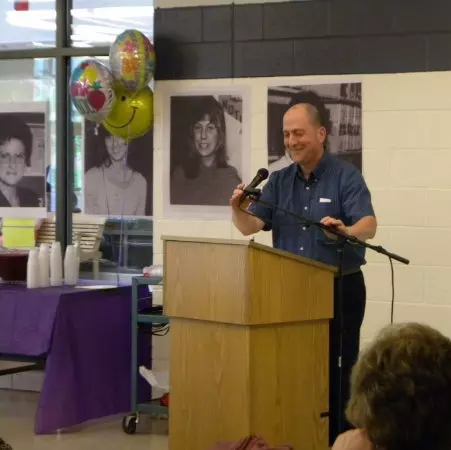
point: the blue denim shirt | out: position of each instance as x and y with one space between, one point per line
335 188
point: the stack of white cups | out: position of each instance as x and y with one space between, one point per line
33 269
56 265
71 265
45 266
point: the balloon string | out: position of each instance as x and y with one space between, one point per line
122 232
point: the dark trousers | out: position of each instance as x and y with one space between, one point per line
354 300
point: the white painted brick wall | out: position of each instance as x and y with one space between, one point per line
407 165
407 117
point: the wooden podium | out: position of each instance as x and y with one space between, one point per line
249 346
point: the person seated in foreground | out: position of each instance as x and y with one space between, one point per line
401 392
4 445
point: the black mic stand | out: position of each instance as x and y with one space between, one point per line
342 239
254 195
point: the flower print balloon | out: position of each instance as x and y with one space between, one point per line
91 89
132 60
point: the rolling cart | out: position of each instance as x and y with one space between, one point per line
152 319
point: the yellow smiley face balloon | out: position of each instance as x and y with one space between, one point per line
132 114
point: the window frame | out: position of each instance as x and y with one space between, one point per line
63 52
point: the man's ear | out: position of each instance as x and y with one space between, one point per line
322 134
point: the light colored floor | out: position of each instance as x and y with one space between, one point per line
16 428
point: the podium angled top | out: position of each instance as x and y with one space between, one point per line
243 282
252 244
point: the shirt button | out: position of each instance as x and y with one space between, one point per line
304 228
301 249
307 188
306 207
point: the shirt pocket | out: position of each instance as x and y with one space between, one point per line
325 206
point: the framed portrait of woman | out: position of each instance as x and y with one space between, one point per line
24 148
209 152
118 174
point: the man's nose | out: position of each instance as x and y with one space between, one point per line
291 141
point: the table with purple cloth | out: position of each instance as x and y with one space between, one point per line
85 336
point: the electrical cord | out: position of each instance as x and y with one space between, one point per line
392 310
160 330
342 238
392 307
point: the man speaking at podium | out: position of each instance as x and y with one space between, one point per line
323 188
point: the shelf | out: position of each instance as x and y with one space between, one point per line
148 408
147 281
153 318
12 367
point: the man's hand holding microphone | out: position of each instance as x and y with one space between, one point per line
245 222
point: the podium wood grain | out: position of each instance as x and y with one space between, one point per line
243 284
249 344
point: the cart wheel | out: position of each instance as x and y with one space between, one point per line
129 424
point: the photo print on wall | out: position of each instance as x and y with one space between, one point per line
209 153
118 175
24 146
344 103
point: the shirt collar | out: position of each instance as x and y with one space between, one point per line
322 166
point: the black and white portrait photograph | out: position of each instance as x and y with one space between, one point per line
208 154
23 150
118 174
343 102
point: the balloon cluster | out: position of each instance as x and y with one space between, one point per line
117 95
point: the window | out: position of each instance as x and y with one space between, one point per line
127 242
32 24
100 21
27 24
43 73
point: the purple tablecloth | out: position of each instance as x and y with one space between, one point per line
86 336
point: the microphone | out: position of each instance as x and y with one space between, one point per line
262 175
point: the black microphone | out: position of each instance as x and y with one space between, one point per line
262 175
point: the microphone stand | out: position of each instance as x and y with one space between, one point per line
342 239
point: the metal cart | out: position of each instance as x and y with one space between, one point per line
129 422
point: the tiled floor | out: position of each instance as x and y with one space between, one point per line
16 428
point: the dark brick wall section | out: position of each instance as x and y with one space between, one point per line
418 16
214 60
359 18
439 52
248 22
325 56
251 59
217 24
309 37
181 24
295 20
391 54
